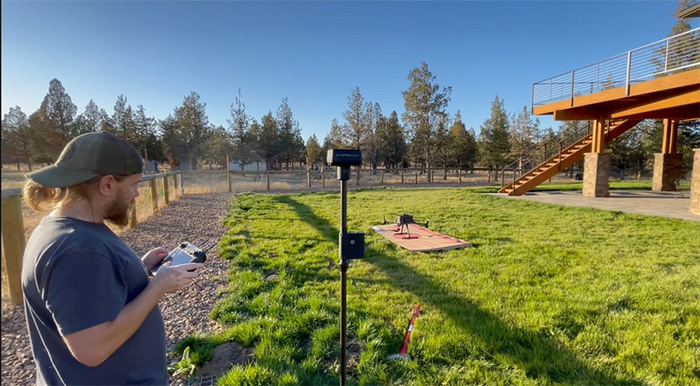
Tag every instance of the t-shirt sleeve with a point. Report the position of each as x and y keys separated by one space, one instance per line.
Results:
x=84 y=290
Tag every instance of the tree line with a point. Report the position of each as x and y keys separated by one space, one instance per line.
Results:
x=425 y=135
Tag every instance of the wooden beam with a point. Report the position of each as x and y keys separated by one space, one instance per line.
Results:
x=669 y=142
x=687 y=97
x=598 y=135
x=580 y=114
x=684 y=113
x=692 y=11
x=687 y=79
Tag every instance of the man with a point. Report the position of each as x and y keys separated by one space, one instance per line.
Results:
x=91 y=310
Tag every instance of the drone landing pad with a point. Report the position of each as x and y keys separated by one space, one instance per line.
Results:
x=421 y=240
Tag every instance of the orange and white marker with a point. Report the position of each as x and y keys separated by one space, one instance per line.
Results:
x=403 y=353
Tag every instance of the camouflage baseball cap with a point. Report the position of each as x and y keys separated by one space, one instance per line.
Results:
x=88 y=156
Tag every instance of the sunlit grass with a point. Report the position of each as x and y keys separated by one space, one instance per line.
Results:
x=548 y=295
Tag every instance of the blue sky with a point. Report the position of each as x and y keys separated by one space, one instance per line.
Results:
x=313 y=53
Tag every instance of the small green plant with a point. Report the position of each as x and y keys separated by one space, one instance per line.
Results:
x=184 y=366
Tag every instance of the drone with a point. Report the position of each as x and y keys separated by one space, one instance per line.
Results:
x=403 y=221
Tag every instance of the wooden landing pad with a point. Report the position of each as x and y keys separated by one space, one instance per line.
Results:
x=421 y=240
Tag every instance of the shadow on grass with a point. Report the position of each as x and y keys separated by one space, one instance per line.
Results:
x=539 y=356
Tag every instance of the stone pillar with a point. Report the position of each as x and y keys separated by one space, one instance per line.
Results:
x=667 y=169
x=596 y=170
x=695 y=185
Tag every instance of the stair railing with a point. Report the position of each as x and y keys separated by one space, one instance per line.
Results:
x=551 y=147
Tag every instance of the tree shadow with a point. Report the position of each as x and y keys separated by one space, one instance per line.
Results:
x=538 y=355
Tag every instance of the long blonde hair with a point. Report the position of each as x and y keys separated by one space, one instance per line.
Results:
x=45 y=199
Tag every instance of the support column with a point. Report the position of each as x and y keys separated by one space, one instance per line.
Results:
x=669 y=141
x=695 y=185
x=598 y=135
x=596 y=171
x=667 y=169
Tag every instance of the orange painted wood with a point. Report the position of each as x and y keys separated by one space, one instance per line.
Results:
x=669 y=141
x=582 y=107
x=551 y=167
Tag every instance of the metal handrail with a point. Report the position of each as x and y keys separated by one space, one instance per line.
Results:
x=544 y=151
x=664 y=57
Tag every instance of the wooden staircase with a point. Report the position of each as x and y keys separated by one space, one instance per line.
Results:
x=566 y=158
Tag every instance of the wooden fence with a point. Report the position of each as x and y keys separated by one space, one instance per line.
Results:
x=267 y=180
x=13 y=239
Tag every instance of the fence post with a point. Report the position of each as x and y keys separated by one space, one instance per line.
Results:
x=228 y=175
x=132 y=218
x=175 y=192
x=416 y=174
x=13 y=245
x=182 y=183
x=382 y=177
x=459 y=174
x=358 y=176
x=323 y=178
x=166 y=193
x=267 y=178
x=402 y=175
x=154 y=194
x=308 y=178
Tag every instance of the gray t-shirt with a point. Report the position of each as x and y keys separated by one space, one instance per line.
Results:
x=77 y=275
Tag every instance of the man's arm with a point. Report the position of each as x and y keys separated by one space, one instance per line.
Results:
x=94 y=345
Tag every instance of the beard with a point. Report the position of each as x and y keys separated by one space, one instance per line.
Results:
x=118 y=212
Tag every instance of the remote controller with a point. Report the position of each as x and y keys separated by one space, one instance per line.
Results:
x=183 y=254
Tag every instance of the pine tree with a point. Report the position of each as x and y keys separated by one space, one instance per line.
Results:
x=462 y=144
x=52 y=125
x=313 y=150
x=91 y=120
x=186 y=132
x=494 y=145
x=524 y=133
x=425 y=107
x=392 y=142
x=16 y=138
x=239 y=127
x=291 y=143
x=356 y=132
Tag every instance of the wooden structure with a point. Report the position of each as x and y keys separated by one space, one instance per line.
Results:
x=663 y=84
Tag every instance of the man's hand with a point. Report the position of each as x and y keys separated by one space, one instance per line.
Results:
x=172 y=279
x=154 y=256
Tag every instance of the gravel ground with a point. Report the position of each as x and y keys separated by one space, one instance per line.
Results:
x=191 y=218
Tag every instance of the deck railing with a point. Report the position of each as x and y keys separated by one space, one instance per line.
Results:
x=664 y=57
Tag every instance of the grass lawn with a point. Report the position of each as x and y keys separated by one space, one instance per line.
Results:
x=548 y=295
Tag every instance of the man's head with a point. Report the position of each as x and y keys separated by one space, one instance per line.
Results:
x=89 y=156
x=93 y=165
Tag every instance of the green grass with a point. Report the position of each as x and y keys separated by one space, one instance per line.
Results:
x=548 y=295
x=568 y=186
